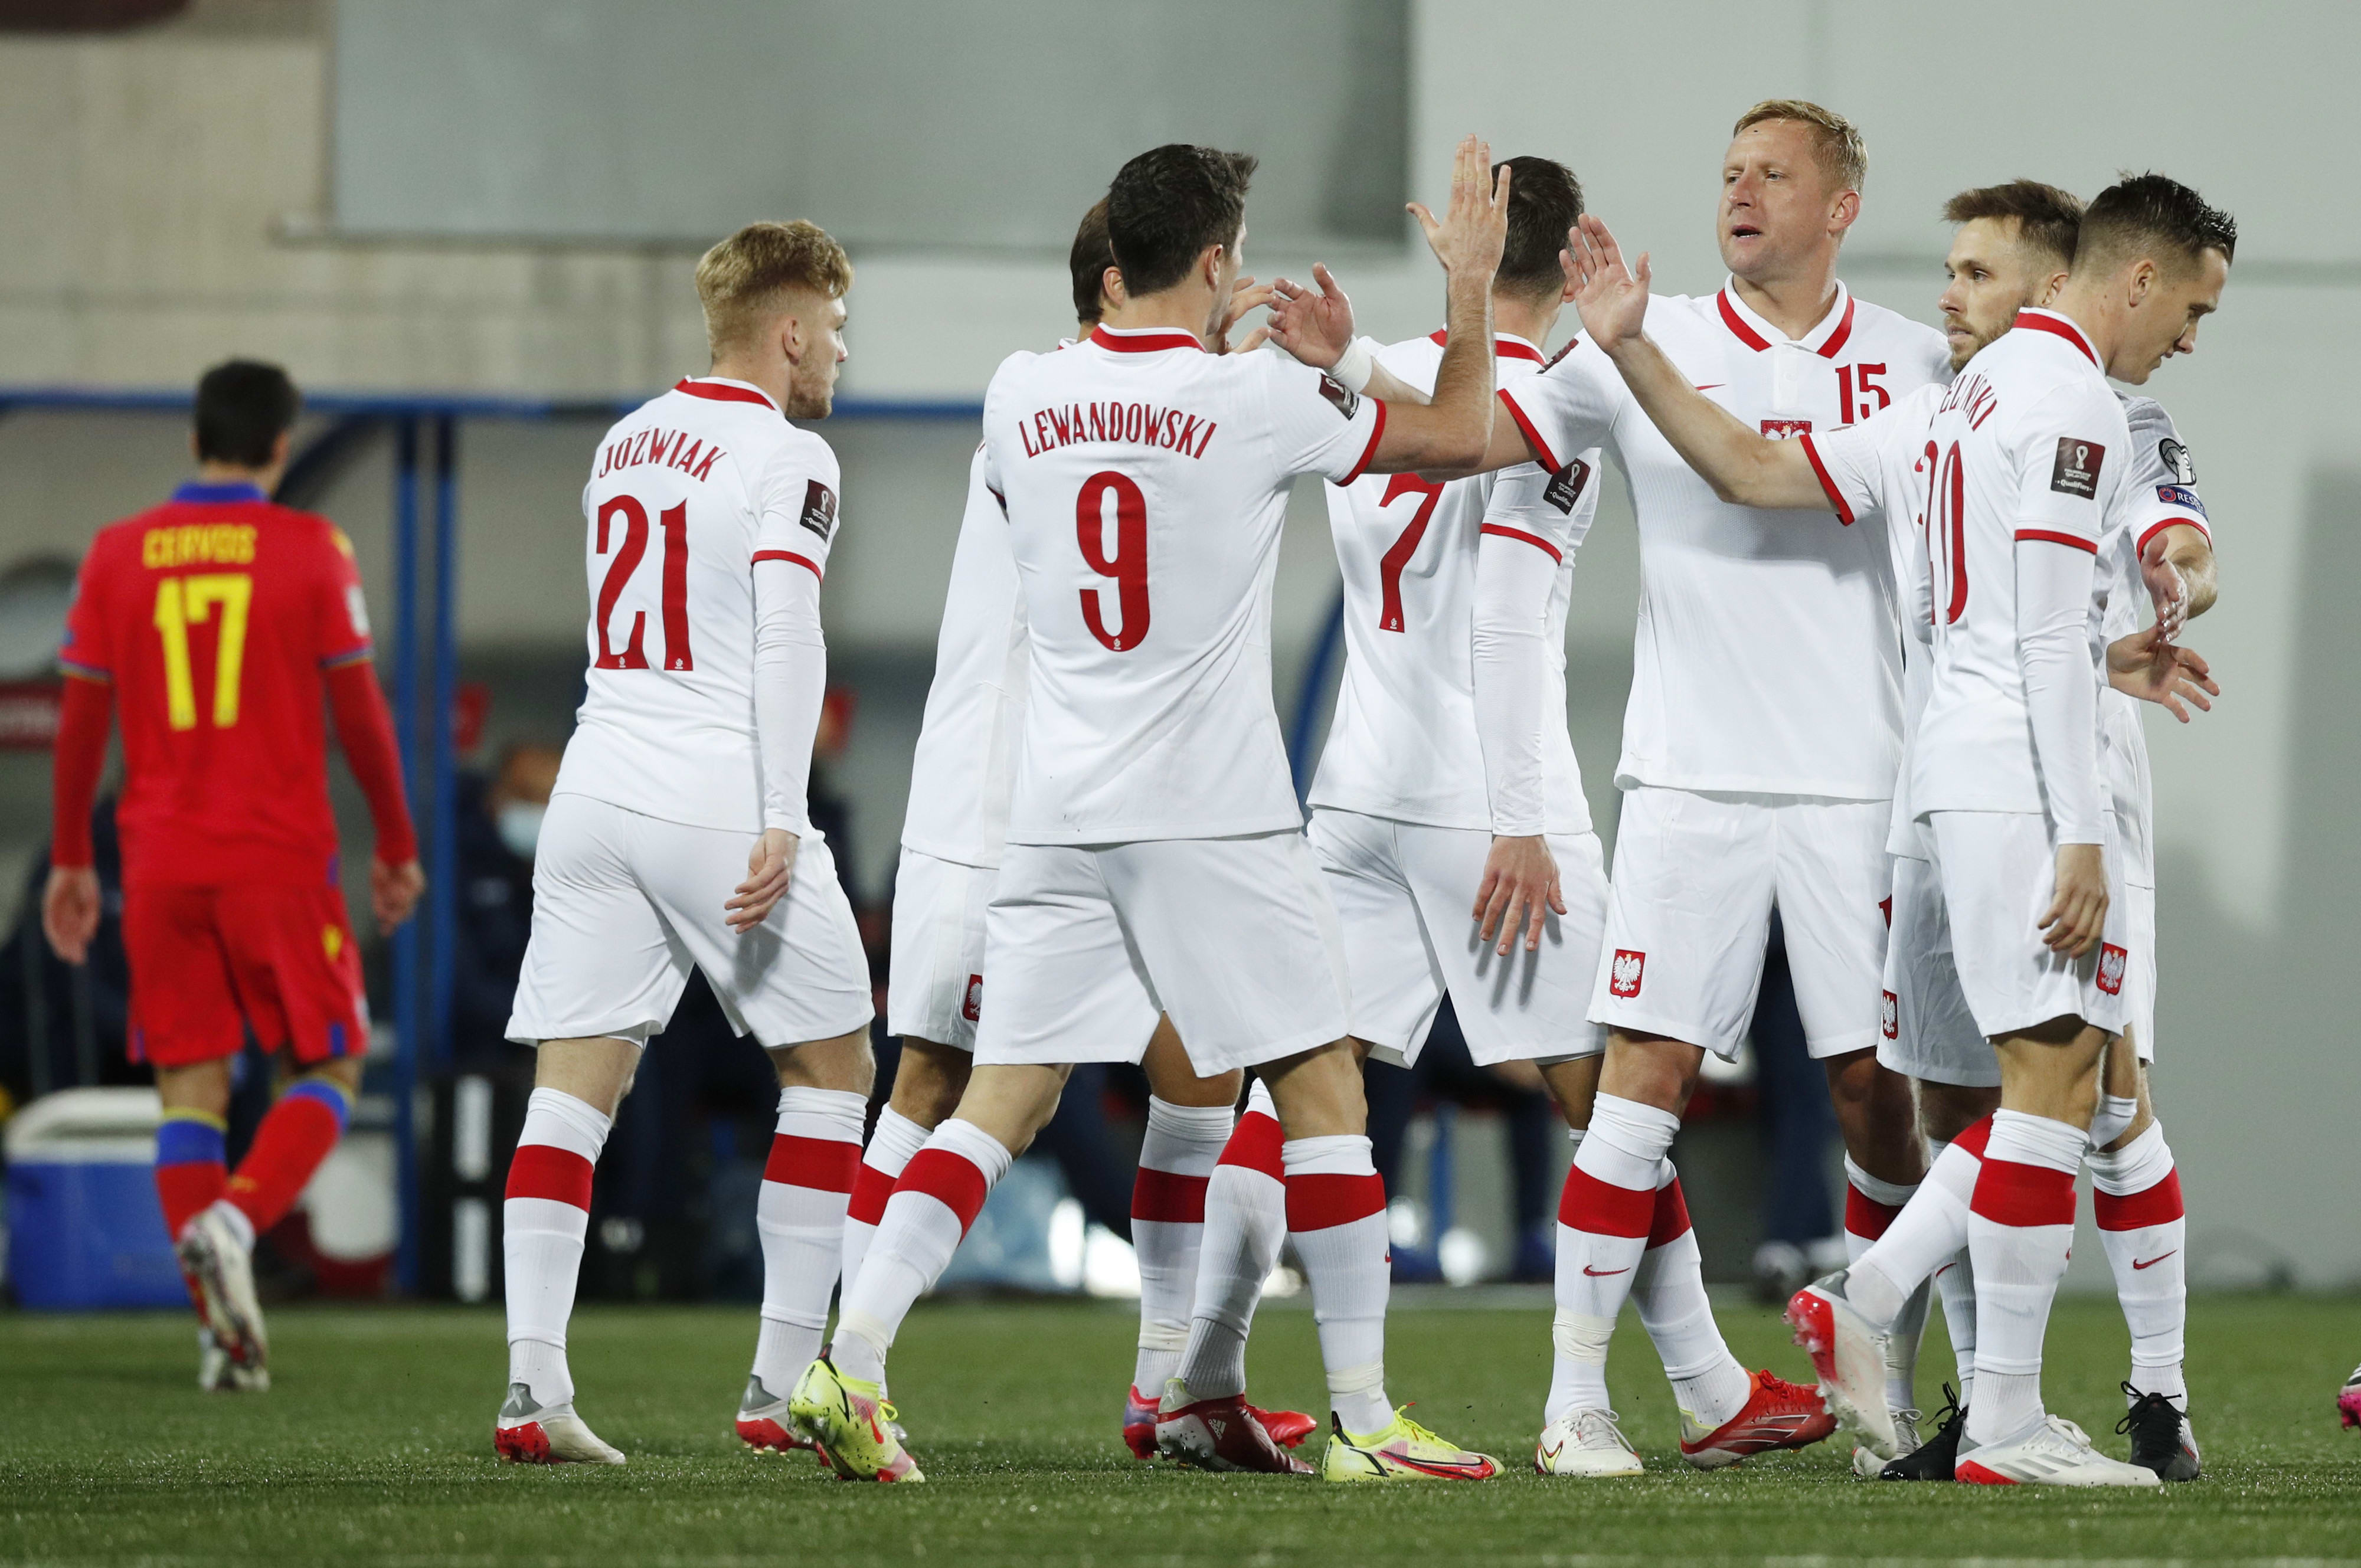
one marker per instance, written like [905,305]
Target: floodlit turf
[376,1447]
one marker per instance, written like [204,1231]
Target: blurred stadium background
[467,227]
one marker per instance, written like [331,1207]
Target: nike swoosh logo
[1450,1472]
[1712,386]
[1602,1273]
[2151,1263]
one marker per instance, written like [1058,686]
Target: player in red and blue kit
[215,625]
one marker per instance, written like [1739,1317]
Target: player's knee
[1947,1110]
[930,1080]
[344,1073]
[845,1063]
[201,1086]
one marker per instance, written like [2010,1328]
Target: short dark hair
[2048,220]
[243,408]
[1089,260]
[1168,204]
[1544,200]
[2151,214]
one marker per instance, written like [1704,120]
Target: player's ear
[281,447]
[1846,208]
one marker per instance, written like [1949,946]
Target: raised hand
[2150,666]
[1244,295]
[1612,302]
[1315,328]
[1475,229]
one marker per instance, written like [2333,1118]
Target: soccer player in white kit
[710,518]
[952,840]
[2024,504]
[1761,740]
[1154,859]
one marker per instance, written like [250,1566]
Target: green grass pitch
[375,1448]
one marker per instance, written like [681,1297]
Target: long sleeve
[1511,676]
[2062,683]
[364,730]
[83,721]
[790,683]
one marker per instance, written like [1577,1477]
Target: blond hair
[740,280]
[1836,141]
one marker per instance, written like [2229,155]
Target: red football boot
[1223,1433]
[1778,1414]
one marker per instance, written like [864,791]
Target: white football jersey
[2163,491]
[1765,658]
[1877,472]
[960,775]
[2032,445]
[1146,482]
[685,494]
[1404,743]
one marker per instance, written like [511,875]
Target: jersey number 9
[1128,564]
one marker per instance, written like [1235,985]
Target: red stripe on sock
[1319,1202]
[1168,1197]
[294,1137]
[870,1188]
[1669,1222]
[951,1179]
[2158,1205]
[544,1170]
[1603,1209]
[825,1164]
[1973,1138]
[1255,1144]
[188,1188]
[2008,1194]
[1865,1216]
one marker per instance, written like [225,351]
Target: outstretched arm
[1741,465]
[1450,433]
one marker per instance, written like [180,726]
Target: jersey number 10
[673,519]
[183,602]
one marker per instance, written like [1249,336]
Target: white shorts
[935,989]
[1998,872]
[623,905]
[1696,877]
[1928,1031]
[1404,893]
[2139,972]
[1235,937]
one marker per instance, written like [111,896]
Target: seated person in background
[498,821]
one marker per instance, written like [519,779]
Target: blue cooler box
[85,1227]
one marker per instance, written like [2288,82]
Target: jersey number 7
[1398,554]
[181,602]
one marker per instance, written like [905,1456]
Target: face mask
[520,827]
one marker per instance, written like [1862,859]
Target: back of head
[2048,220]
[1544,200]
[2153,217]
[1088,262]
[1167,205]
[1837,146]
[749,275]
[243,406]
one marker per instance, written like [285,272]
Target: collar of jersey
[1758,335]
[1505,345]
[722,389]
[221,494]
[1142,339]
[2033,319]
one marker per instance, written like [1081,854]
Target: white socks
[1246,1225]
[891,1143]
[1668,1289]
[1604,1216]
[814,1154]
[1336,1212]
[544,1220]
[2136,1194]
[936,1198]
[2020,1228]
[1168,1228]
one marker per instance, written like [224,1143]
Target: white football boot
[1850,1353]
[1585,1443]
[221,1262]
[1870,1465]
[217,1374]
[531,1433]
[2055,1453]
